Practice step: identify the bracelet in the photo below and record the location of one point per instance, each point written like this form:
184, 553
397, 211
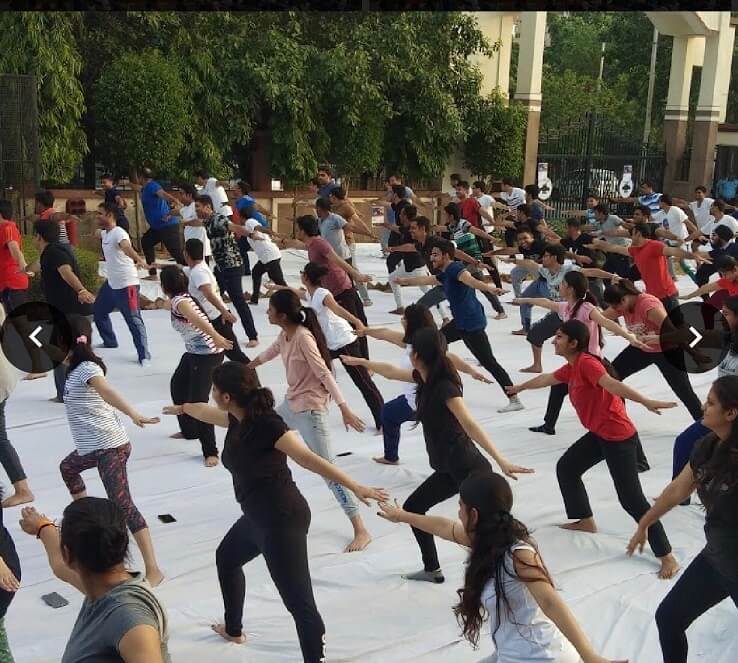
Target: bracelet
46, 523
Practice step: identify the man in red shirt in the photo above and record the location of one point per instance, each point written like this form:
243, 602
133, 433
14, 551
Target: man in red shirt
44, 207
470, 207
338, 279
650, 258
13, 278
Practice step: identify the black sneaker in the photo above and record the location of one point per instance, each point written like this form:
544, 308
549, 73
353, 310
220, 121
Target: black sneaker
543, 428
643, 466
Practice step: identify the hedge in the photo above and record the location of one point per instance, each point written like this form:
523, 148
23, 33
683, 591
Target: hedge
88, 269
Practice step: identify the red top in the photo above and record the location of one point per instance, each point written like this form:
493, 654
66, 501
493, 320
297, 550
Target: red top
600, 412
727, 284
10, 278
336, 280
69, 224
652, 265
469, 208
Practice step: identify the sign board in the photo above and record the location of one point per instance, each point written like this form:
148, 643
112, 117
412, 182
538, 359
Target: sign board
625, 188
545, 187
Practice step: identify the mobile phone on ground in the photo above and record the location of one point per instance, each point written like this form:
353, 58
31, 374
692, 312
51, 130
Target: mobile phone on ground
167, 518
54, 600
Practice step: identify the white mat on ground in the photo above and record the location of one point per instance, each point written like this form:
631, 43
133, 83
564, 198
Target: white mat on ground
371, 614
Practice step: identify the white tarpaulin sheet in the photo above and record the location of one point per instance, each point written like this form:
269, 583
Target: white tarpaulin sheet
371, 614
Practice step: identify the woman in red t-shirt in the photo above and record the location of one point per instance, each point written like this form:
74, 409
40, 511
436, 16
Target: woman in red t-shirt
598, 400
726, 286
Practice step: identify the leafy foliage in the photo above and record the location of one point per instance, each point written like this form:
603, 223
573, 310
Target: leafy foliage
45, 45
141, 108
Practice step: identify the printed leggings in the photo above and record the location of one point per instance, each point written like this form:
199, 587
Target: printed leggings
111, 465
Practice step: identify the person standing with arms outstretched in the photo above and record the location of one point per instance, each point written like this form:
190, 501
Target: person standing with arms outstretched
712, 471
310, 386
276, 517
100, 439
163, 222
451, 436
611, 436
122, 287
469, 319
505, 579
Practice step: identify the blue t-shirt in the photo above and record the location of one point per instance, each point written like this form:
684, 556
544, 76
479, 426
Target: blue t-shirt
727, 188
467, 310
244, 201
652, 201
246, 208
155, 208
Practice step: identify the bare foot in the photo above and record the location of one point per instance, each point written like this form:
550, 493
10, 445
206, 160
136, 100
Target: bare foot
669, 567
220, 630
532, 369
383, 461
177, 436
21, 497
501, 316
520, 332
252, 343
584, 525
361, 540
211, 461
34, 376
155, 578
54, 399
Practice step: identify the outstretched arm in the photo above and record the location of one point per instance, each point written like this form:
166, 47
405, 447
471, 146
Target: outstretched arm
112, 397
200, 411
467, 279
602, 245
537, 301
538, 382
708, 287
625, 391
384, 334
445, 528
389, 371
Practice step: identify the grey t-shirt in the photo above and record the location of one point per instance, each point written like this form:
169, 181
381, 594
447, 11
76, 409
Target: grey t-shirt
101, 624
331, 230
612, 222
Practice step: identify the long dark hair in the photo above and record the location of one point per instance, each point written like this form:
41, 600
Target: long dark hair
430, 347
288, 304
721, 470
242, 384
417, 317
495, 532
314, 272
616, 292
576, 330
731, 303
81, 349
579, 283
173, 281
95, 534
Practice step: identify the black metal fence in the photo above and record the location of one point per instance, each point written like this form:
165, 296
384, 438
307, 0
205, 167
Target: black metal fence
19, 153
590, 156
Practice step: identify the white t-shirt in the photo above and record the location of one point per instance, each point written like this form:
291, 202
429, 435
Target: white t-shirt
200, 275
120, 269
485, 200
338, 332
712, 223
411, 388
673, 221
195, 232
264, 248
525, 634
218, 195
93, 422
701, 213
514, 199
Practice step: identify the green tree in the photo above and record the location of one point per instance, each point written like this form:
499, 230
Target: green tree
44, 44
141, 107
495, 137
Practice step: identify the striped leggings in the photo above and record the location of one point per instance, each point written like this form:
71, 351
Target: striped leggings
111, 465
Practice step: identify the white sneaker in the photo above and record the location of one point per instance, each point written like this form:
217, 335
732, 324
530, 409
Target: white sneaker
368, 302
513, 406
145, 363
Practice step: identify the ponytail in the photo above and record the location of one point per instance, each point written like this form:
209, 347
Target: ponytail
616, 292
242, 384
81, 348
579, 283
288, 304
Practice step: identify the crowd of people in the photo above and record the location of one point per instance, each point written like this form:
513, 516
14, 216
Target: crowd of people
585, 277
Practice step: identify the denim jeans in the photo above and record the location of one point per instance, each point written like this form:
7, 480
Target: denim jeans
313, 427
539, 288
394, 413
517, 276
127, 301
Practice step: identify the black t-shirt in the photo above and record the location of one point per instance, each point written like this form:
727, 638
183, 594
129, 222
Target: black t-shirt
262, 480
577, 246
721, 519
534, 251
56, 290
412, 259
425, 250
449, 447
110, 196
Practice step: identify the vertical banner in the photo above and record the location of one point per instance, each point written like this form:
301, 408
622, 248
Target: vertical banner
377, 215
626, 183
544, 183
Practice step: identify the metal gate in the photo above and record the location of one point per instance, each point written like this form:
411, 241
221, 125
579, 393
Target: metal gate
589, 156
19, 155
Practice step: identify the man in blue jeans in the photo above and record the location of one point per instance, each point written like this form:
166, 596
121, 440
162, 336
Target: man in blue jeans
122, 287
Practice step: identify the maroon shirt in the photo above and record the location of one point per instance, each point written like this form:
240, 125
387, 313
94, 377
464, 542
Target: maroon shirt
336, 280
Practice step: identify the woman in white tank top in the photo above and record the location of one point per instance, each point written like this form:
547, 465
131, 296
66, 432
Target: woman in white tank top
505, 579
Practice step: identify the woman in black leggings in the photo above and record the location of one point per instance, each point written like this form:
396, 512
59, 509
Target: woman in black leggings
449, 431
644, 314
598, 401
275, 516
713, 472
10, 576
